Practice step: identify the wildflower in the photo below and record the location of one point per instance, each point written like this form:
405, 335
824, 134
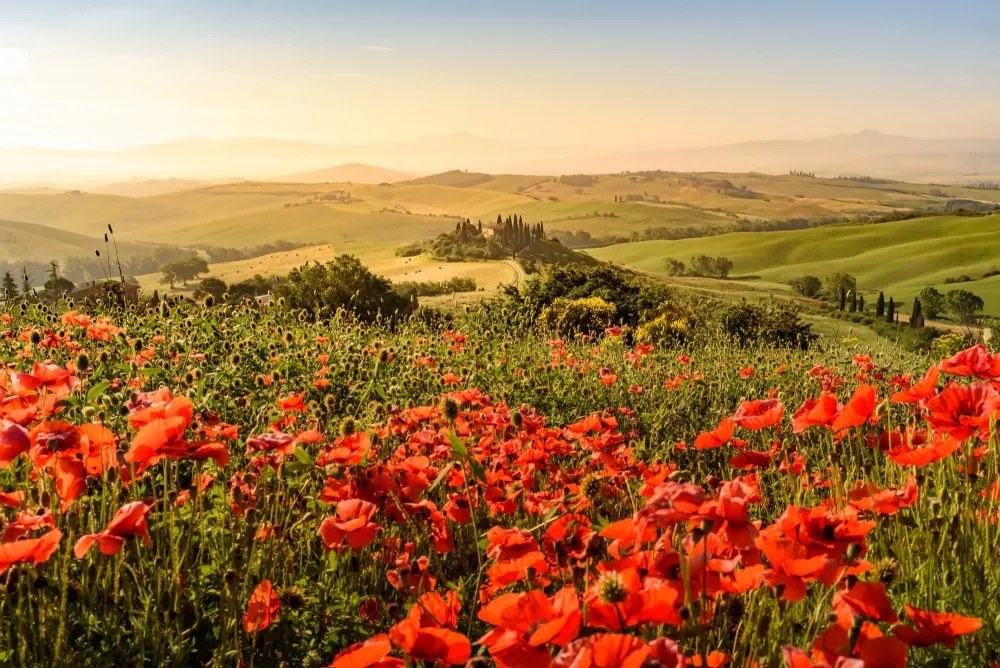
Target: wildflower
130, 520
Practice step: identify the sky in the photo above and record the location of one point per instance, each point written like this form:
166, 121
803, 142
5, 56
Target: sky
111, 75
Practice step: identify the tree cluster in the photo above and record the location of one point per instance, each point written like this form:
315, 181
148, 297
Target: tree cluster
700, 265
183, 270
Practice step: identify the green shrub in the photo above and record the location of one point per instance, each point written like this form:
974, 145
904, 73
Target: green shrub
776, 324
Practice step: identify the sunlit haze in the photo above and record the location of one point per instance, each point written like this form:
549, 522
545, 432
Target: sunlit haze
112, 75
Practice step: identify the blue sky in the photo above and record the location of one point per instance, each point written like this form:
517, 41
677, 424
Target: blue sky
114, 74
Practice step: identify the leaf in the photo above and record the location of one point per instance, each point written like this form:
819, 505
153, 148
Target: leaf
440, 477
458, 448
303, 456
478, 472
96, 391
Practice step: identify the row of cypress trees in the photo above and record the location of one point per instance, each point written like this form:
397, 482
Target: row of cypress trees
852, 302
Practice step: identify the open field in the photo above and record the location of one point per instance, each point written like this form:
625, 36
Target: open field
250, 213
440, 491
899, 258
381, 260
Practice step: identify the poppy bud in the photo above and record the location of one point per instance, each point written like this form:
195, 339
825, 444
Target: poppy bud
450, 409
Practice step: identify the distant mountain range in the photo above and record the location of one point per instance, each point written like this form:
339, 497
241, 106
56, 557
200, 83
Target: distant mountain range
348, 173
864, 153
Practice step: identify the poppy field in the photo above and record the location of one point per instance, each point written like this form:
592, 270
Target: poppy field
237, 486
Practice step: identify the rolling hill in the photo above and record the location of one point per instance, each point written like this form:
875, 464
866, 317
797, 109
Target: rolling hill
27, 242
900, 258
347, 173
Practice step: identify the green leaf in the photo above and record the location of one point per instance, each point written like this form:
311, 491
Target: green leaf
96, 391
303, 456
478, 472
458, 448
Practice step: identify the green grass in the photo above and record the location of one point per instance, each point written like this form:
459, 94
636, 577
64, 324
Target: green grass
39, 243
899, 258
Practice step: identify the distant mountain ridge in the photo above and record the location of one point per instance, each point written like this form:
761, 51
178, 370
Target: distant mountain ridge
353, 172
867, 152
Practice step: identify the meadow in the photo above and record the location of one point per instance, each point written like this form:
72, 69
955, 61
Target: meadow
352, 216
900, 258
225, 485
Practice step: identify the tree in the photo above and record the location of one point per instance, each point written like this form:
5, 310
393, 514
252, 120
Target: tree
56, 283
861, 303
880, 305
8, 287
840, 282
890, 311
916, 315
723, 265
25, 282
344, 283
932, 302
210, 286
843, 298
964, 305
183, 270
674, 267
702, 265
807, 286
854, 301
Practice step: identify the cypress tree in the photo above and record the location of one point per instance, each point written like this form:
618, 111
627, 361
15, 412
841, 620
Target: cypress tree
890, 311
25, 282
880, 305
9, 287
917, 315
861, 303
843, 298
854, 301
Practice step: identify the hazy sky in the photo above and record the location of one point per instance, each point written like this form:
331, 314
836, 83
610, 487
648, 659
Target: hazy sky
81, 74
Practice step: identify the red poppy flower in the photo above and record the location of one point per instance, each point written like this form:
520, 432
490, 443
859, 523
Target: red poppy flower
424, 636
263, 608
370, 653
867, 599
930, 628
975, 361
858, 410
866, 496
962, 411
11, 499
293, 403
352, 523
760, 414
924, 389
716, 438
920, 452
527, 622
29, 550
130, 520
14, 440
816, 412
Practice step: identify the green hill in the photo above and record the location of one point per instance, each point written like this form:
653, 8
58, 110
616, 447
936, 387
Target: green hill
900, 257
28, 242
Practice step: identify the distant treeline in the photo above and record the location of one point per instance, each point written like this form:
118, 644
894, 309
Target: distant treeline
80, 269
435, 288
